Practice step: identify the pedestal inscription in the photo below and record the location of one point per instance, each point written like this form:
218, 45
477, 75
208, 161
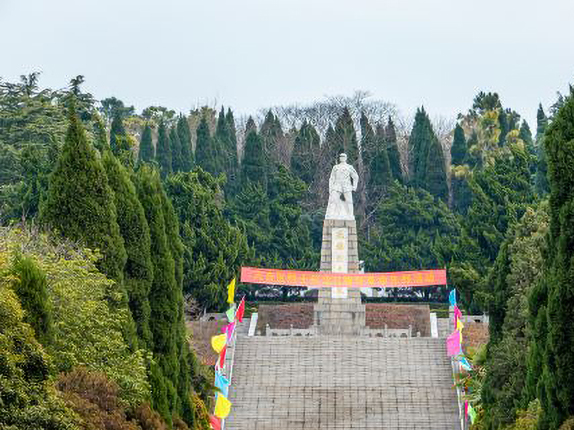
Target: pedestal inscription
339, 255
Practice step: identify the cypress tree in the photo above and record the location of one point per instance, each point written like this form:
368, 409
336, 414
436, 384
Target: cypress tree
147, 151
204, 148
118, 134
420, 141
369, 144
177, 163
138, 271
435, 176
458, 150
100, 136
80, 203
393, 151
254, 166
542, 186
304, 155
164, 297
250, 126
30, 286
271, 133
556, 386
503, 126
163, 151
232, 169
345, 138
184, 134
380, 176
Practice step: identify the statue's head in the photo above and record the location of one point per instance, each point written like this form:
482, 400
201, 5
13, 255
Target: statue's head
342, 158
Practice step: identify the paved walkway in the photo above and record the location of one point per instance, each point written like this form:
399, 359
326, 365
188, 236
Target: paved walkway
337, 383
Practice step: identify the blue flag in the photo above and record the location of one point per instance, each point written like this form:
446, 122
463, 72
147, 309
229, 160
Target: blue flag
465, 364
222, 383
452, 298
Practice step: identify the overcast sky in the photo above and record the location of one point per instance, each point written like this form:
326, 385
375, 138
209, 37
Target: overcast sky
250, 54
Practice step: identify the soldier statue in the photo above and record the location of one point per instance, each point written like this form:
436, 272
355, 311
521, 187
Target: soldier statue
342, 182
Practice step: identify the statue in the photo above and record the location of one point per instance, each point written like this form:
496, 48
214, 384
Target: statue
342, 182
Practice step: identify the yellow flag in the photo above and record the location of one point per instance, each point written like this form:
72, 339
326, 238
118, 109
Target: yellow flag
459, 325
218, 342
231, 292
222, 406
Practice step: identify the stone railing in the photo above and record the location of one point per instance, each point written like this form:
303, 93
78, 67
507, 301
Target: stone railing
365, 331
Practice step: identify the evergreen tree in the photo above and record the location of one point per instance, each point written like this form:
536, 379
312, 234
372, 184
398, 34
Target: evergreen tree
542, 186
254, 166
184, 134
205, 155
435, 176
163, 151
461, 192
80, 203
369, 144
305, 151
271, 134
553, 300
138, 271
30, 286
503, 126
177, 162
165, 296
419, 142
458, 150
393, 151
345, 139
225, 134
117, 133
232, 139
250, 126
380, 175
147, 151
100, 136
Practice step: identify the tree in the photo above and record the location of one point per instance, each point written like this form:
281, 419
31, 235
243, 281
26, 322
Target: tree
503, 126
30, 286
112, 107
147, 151
419, 143
184, 134
225, 134
553, 299
213, 249
369, 143
163, 151
271, 134
305, 151
117, 134
380, 175
205, 149
138, 271
254, 166
177, 162
435, 176
80, 203
393, 150
542, 186
345, 138
458, 150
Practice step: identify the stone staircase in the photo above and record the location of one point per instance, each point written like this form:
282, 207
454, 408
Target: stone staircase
334, 382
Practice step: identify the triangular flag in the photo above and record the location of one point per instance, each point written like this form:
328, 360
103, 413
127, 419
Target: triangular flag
230, 313
471, 414
230, 330
231, 292
466, 409
457, 313
452, 298
453, 344
218, 342
222, 383
222, 406
215, 422
459, 325
465, 364
222, 356
240, 310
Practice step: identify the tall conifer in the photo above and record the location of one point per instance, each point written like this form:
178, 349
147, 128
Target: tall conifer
204, 148
458, 150
380, 175
163, 151
118, 134
305, 150
177, 163
184, 134
435, 181
542, 186
393, 150
138, 271
553, 300
80, 203
254, 166
345, 138
369, 144
147, 151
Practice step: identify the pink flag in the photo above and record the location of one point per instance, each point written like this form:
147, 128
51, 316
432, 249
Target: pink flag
457, 313
228, 329
466, 409
453, 344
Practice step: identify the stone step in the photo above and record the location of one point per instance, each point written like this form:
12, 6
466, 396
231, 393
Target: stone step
335, 382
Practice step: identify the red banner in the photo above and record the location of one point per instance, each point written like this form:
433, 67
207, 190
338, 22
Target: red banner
296, 278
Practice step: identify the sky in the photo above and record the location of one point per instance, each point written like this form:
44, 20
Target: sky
251, 54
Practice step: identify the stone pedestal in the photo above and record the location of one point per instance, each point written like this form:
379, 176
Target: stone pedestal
339, 311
